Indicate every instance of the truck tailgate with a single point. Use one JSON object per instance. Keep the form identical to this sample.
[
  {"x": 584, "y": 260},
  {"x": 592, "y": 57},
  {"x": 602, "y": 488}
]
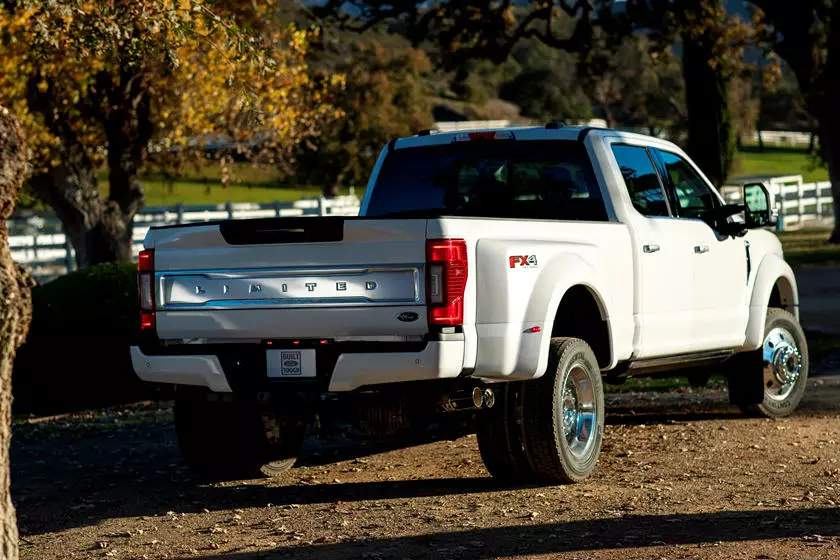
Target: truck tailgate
[{"x": 287, "y": 278}]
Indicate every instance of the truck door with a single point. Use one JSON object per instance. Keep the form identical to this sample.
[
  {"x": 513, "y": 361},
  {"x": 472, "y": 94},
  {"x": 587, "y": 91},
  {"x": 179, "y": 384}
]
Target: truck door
[
  {"x": 719, "y": 261},
  {"x": 663, "y": 264}
]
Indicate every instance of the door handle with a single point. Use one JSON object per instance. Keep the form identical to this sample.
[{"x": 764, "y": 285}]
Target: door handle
[
  {"x": 700, "y": 249},
  {"x": 650, "y": 248}
]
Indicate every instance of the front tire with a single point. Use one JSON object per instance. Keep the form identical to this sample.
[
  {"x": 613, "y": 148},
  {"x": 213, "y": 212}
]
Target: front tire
[
  {"x": 563, "y": 423},
  {"x": 234, "y": 440},
  {"x": 771, "y": 381}
]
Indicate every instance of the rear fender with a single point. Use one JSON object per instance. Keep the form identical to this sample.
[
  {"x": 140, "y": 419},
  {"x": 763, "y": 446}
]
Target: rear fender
[{"x": 510, "y": 350}]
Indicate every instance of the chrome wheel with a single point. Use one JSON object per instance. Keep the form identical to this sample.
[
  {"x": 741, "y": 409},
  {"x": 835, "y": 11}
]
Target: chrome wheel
[
  {"x": 782, "y": 363},
  {"x": 578, "y": 411}
]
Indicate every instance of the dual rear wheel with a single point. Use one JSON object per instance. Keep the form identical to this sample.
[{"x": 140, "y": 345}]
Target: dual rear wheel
[{"x": 547, "y": 430}]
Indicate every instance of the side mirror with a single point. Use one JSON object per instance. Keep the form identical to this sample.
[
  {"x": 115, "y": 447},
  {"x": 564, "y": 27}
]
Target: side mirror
[{"x": 760, "y": 208}]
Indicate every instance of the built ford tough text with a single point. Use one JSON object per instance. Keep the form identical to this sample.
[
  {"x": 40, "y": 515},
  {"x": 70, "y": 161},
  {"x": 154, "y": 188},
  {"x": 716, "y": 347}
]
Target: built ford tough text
[{"x": 498, "y": 276}]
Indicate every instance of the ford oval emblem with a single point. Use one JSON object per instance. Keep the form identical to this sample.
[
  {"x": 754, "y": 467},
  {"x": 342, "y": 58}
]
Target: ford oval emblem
[{"x": 408, "y": 316}]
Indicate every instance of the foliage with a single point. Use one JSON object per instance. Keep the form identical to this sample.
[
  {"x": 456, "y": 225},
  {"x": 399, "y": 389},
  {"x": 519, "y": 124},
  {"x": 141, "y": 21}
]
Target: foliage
[
  {"x": 546, "y": 86},
  {"x": 133, "y": 83},
  {"x": 76, "y": 354},
  {"x": 745, "y": 104},
  {"x": 807, "y": 37},
  {"x": 783, "y": 107},
  {"x": 385, "y": 97},
  {"x": 206, "y": 76}
]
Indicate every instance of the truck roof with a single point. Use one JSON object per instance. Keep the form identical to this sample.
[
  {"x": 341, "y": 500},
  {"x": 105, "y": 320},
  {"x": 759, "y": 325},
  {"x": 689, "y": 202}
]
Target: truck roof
[{"x": 548, "y": 132}]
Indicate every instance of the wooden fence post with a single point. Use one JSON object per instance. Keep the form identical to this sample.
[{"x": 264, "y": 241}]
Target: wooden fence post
[{"x": 69, "y": 261}]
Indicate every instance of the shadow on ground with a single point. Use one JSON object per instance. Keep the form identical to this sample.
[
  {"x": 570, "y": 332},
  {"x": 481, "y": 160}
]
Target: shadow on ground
[
  {"x": 581, "y": 536},
  {"x": 73, "y": 474}
]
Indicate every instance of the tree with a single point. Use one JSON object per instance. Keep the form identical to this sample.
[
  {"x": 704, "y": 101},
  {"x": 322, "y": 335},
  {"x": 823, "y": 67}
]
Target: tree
[
  {"x": 807, "y": 37},
  {"x": 386, "y": 96},
  {"x": 151, "y": 82},
  {"x": 592, "y": 29},
  {"x": 15, "y": 313},
  {"x": 744, "y": 102},
  {"x": 545, "y": 86}
]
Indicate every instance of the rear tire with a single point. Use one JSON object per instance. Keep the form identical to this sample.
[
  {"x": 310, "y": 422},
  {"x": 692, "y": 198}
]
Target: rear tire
[
  {"x": 499, "y": 436},
  {"x": 234, "y": 440},
  {"x": 563, "y": 414},
  {"x": 771, "y": 381}
]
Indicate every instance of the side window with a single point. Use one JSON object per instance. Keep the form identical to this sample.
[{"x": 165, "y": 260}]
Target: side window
[
  {"x": 641, "y": 180},
  {"x": 694, "y": 197}
]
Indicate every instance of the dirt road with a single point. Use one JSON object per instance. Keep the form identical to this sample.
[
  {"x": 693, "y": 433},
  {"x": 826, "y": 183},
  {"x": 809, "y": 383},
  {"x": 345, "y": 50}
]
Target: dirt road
[{"x": 681, "y": 476}]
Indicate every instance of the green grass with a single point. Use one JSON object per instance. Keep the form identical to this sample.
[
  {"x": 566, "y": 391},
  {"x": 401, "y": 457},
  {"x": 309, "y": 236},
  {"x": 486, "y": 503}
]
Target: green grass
[
  {"x": 203, "y": 185},
  {"x": 809, "y": 248},
  {"x": 168, "y": 194},
  {"x": 778, "y": 161}
]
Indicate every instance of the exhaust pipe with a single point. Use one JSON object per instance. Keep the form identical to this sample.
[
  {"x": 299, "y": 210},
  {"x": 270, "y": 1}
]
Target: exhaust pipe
[{"x": 469, "y": 399}]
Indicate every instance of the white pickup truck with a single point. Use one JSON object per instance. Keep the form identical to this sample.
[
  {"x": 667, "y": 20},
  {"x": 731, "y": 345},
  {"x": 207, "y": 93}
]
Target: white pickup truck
[{"x": 498, "y": 272}]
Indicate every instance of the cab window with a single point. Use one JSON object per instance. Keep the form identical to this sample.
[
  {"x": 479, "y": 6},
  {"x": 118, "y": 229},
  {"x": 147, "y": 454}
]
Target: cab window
[
  {"x": 641, "y": 180},
  {"x": 694, "y": 198}
]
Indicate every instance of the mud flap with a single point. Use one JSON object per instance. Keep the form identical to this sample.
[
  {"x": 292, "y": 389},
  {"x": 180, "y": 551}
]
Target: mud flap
[{"x": 745, "y": 373}]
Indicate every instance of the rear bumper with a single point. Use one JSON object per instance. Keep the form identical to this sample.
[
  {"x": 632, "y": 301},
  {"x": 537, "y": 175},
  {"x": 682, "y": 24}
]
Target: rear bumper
[
  {"x": 204, "y": 371},
  {"x": 345, "y": 371}
]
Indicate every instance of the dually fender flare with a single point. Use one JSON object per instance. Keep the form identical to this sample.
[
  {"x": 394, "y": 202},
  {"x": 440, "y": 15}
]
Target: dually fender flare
[
  {"x": 563, "y": 272},
  {"x": 773, "y": 270}
]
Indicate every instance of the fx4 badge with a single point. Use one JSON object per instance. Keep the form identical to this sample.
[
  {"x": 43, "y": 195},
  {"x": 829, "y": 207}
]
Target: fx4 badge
[{"x": 523, "y": 261}]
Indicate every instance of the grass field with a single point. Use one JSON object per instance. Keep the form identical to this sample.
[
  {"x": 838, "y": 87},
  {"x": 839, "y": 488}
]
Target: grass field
[
  {"x": 809, "y": 247},
  {"x": 778, "y": 161},
  {"x": 267, "y": 184},
  {"x": 204, "y": 186}
]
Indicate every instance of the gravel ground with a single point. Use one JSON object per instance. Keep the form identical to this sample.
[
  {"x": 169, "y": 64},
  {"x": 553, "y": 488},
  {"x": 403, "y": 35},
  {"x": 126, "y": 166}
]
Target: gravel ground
[{"x": 682, "y": 475}]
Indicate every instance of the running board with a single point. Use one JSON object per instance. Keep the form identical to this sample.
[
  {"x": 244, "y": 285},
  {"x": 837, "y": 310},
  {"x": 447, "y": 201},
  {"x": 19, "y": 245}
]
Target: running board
[{"x": 679, "y": 361}]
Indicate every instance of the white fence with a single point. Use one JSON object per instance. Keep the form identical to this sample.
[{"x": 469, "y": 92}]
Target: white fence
[
  {"x": 38, "y": 242},
  {"x": 799, "y": 204}
]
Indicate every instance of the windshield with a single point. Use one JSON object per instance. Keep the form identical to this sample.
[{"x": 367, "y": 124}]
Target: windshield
[{"x": 495, "y": 179}]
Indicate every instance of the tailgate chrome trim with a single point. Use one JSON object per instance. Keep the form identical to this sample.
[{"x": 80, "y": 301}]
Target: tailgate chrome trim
[{"x": 289, "y": 287}]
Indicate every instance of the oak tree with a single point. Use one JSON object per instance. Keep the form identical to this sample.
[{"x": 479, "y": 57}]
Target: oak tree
[
  {"x": 126, "y": 83},
  {"x": 15, "y": 313},
  {"x": 807, "y": 37},
  {"x": 592, "y": 29}
]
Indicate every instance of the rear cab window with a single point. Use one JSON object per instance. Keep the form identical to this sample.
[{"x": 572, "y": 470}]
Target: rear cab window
[{"x": 551, "y": 180}]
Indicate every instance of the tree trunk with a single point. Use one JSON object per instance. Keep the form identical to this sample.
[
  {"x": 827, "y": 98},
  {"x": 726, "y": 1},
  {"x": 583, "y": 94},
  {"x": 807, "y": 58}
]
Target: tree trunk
[
  {"x": 760, "y": 142},
  {"x": 94, "y": 226},
  {"x": 99, "y": 230},
  {"x": 812, "y": 140},
  {"x": 711, "y": 139},
  {"x": 830, "y": 152},
  {"x": 15, "y": 314},
  {"x": 128, "y": 129}
]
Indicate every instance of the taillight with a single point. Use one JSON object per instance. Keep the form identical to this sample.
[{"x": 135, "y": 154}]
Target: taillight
[
  {"x": 146, "y": 288},
  {"x": 446, "y": 280}
]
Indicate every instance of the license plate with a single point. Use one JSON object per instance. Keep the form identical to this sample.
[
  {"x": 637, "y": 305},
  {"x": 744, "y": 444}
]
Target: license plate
[{"x": 290, "y": 364}]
